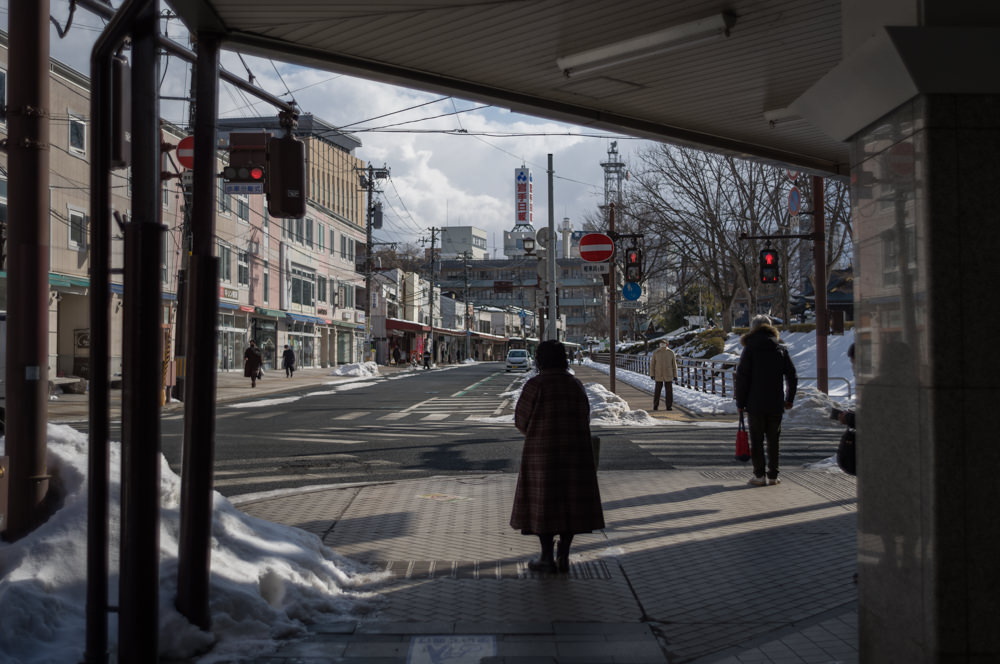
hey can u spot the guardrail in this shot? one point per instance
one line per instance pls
(716, 377)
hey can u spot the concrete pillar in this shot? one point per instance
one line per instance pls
(916, 96)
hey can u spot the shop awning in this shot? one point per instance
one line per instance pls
(269, 312)
(228, 305)
(302, 318)
(405, 325)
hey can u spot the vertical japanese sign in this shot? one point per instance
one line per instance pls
(523, 196)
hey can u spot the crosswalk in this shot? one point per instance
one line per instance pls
(683, 450)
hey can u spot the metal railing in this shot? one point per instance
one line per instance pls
(716, 377)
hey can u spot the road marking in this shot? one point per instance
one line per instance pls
(352, 416)
(435, 417)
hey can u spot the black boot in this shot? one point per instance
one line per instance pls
(562, 558)
(546, 563)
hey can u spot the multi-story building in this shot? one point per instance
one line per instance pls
(463, 241)
(516, 284)
(281, 281)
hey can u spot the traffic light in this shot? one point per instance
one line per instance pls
(247, 159)
(286, 177)
(633, 265)
(770, 273)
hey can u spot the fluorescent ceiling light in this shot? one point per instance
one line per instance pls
(644, 46)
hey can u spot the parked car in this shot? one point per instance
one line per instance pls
(518, 360)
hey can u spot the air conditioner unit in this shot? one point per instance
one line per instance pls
(346, 315)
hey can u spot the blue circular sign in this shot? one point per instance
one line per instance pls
(794, 201)
(631, 291)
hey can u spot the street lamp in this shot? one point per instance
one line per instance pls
(529, 245)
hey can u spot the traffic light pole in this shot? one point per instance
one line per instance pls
(612, 301)
(368, 183)
(818, 238)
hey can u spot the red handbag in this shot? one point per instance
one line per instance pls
(742, 442)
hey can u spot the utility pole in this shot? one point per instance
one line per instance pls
(367, 179)
(430, 294)
(553, 290)
(467, 255)
(28, 150)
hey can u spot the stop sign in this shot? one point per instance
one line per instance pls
(596, 247)
(185, 152)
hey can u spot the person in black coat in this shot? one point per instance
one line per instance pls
(288, 361)
(765, 387)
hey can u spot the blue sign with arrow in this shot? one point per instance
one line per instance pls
(631, 291)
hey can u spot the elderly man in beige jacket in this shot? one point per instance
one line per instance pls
(663, 370)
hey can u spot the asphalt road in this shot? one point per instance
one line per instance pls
(420, 424)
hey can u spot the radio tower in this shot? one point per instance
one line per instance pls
(614, 174)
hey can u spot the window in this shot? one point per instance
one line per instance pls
(3, 202)
(309, 232)
(345, 298)
(303, 287)
(77, 134)
(242, 209)
(225, 263)
(333, 237)
(266, 282)
(3, 94)
(320, 236)
(299, 232)
(243, 268)
(343, 246)
(321, 289)
(225, 200)
(77, 230)
(164, 260)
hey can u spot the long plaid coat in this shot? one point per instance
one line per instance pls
(557, 488)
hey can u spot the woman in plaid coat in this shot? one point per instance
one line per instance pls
(557, 488)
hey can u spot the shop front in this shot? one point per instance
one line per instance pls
(408, 337)
(232, 338)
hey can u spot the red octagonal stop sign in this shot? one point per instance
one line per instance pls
(596, 247)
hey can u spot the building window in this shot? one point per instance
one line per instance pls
(225, 263)
(321, 289)
(225, 200)
(3, 202)
(3, 93)
(77, 134)
(242, 210)
(333, 243)
(309, 232)
(320, 236)
(303, 287)
(299, 230)
(243, 268)
(164, 260)
(77, 230)
(266, 282)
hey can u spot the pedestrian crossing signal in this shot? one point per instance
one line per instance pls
(770, 273)
(633, 266)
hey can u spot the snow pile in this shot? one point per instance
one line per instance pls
(268, 581)
(361, 369)
(609, 409)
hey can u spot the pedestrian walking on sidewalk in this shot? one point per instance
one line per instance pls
(663, 370)
(251, 363)
(557, 491)
(288, 361)
(765, 387)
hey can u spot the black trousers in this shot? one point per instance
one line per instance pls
(764, 427)
(668, 393)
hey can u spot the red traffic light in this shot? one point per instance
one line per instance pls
(256, 173)
(769, 271)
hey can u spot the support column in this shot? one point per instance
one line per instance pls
(926, 247)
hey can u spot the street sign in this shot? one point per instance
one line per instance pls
(185, 152)
(595, 268)
(631, 291)
(244, 187)
(629, 304)
(794, 201)
(596, 247)
(543, 237)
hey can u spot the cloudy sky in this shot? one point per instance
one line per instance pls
(437, 178)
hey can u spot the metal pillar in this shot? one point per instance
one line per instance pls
(819, 259)
(138, 624)
(201, 307)
(28, 266)
(552, 329)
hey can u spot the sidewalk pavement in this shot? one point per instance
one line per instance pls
(693, 566)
